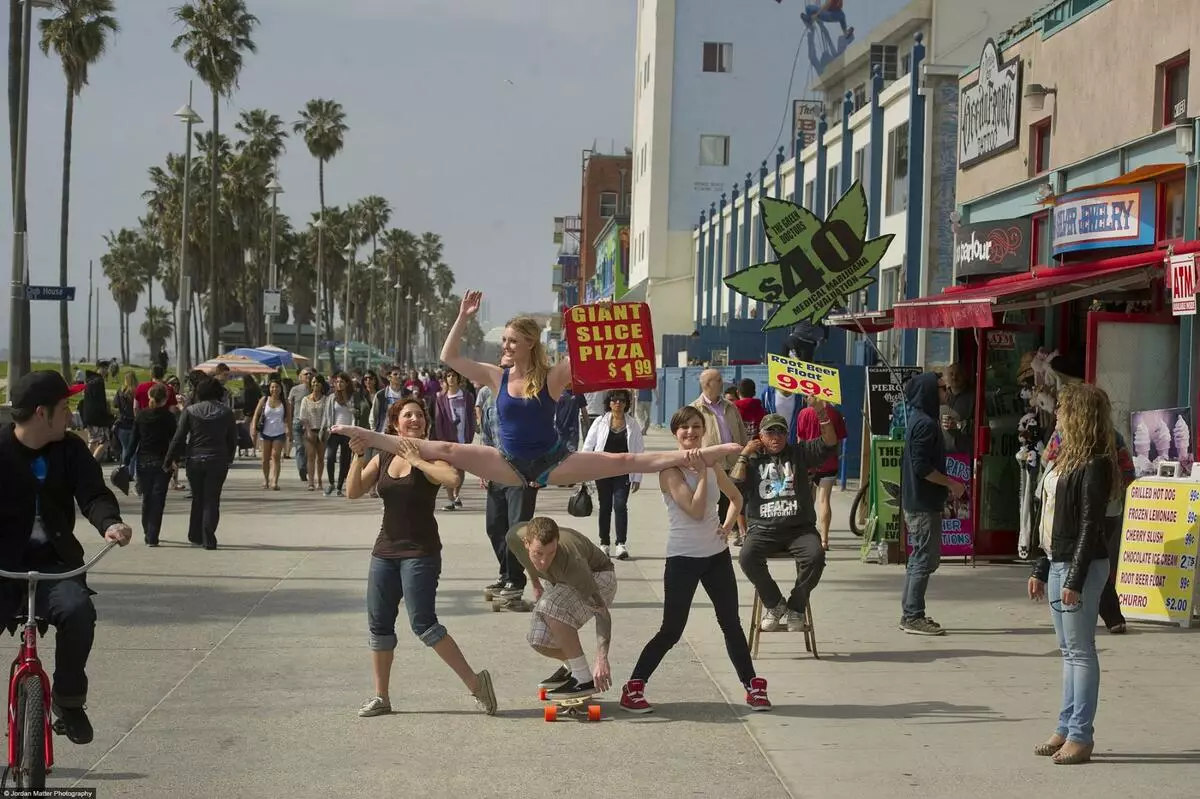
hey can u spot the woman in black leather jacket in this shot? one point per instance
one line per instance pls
(1075, 493)
(208, 433)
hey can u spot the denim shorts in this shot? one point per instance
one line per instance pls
(536, 471)
(413, 581)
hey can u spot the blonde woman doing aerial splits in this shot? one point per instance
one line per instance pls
(530, 451)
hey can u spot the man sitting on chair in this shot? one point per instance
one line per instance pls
(780, 516)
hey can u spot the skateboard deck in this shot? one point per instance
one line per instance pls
(576, 706)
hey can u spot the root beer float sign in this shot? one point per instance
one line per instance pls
(611, 346)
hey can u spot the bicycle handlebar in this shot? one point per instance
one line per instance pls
(36, 575)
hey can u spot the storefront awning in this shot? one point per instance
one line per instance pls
(975, 305)
(863, 321)
(1143, 174)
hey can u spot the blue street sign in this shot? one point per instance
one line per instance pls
(66, 293)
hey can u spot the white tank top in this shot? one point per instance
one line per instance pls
(694, 538)
(273, 419)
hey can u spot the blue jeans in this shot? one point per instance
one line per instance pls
(925, 535)
(125, 438)
(1076, 633)
(301, 455)
(413, 580)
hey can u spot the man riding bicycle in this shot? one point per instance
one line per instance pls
(44, 472)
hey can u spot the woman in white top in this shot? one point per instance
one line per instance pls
(697, 554)
(341, 410)
(312, 421)
(271, 423)
(613, 433)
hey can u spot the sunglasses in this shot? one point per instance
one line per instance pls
(1058, 605)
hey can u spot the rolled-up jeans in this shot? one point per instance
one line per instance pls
(301, 454)
(925, 536)
(1075, 628)
(413, 580)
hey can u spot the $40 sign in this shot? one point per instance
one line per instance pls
(801, 377)
(611, 346)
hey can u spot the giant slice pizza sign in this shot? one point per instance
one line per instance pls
(611, 346)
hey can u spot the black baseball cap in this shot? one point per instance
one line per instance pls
(45, 388)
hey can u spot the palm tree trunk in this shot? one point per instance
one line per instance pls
(64, 324)
(326, 288)
(214, 274)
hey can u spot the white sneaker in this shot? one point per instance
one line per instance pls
(606, 549)
(622, 552)
(774, 619)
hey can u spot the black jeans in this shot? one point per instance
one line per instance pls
(681, 575)
(335, 445)
(722, 507)
(613, 493)
(153, 482)
(1110, 605)
(804, 547)
(66, 604)
(206, 479)
(508, 506)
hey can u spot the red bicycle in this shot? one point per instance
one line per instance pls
(30, 730)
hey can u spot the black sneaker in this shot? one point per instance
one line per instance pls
(921, 626)
(572, 689)
(73, 723)
(510, 591)
(557, 679)
(494, 587)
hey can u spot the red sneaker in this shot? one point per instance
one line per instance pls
(633, 699)
(756, 695)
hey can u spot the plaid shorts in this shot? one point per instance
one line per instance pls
(97, 435)
(564, 603)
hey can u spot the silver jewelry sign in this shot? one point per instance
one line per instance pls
(989, 110)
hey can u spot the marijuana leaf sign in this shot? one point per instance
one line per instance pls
(820, 263)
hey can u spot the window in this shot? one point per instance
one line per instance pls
(1173, 210)
(905, 64)
(714, 150)
(1175, 85)
(833, 187)
(897, 185)
(860, 96)
(608, 204)
(1040, 244)
(1039, 147)
(810, 190)
(860, 165)
(718, 57)
(885, 55)
(643, 158)
(646, 72)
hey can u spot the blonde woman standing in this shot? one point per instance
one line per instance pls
(1075, 492)
(312, 420)
(271, 423)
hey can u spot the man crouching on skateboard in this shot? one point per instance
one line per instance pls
(582, 585)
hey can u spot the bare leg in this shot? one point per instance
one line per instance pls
(266, 463)
(580, 467)
(381, 668)
(276, 456)
(566, 636)
(447, 649)
(319, 449)
(485, 462)
(551, 652)
(310, 451)
(824, 511)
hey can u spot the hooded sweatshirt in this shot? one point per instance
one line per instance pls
(924, 447)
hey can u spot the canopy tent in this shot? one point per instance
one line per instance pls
(289, 358)
(267, 358)
(238, 365)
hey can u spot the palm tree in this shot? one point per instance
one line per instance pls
(264, 134)
(79, 35)
(403, 256)
(216, 35)
(122, 268)
(323, 125)
(157, 327)
(374, 212)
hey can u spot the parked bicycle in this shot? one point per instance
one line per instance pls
(859, 509)
(30, 730)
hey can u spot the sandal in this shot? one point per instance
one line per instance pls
(312, 487)
(1117, 629)
(1081, 755)
(1051, 747)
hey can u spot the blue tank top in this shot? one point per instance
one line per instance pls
(526, 425)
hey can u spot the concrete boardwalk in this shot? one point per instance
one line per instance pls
(238, 673)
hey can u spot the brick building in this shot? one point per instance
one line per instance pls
(606, 191)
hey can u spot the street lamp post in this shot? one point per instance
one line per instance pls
(407, 324)
(18, 345)
(275, 190)
(368, 317)
(318, 226)
(183, 325)
(351, 251)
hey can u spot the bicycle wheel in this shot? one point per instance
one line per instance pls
(859, 499)
(31, 726)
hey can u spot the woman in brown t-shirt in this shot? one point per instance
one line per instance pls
(407, 558)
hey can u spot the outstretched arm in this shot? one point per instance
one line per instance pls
(481, 374)
(559, 377)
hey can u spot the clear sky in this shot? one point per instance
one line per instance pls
(436, 127)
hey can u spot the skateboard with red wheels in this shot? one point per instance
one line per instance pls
(575, 707)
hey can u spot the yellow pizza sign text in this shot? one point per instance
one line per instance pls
(1156, 573)
(802, 377)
